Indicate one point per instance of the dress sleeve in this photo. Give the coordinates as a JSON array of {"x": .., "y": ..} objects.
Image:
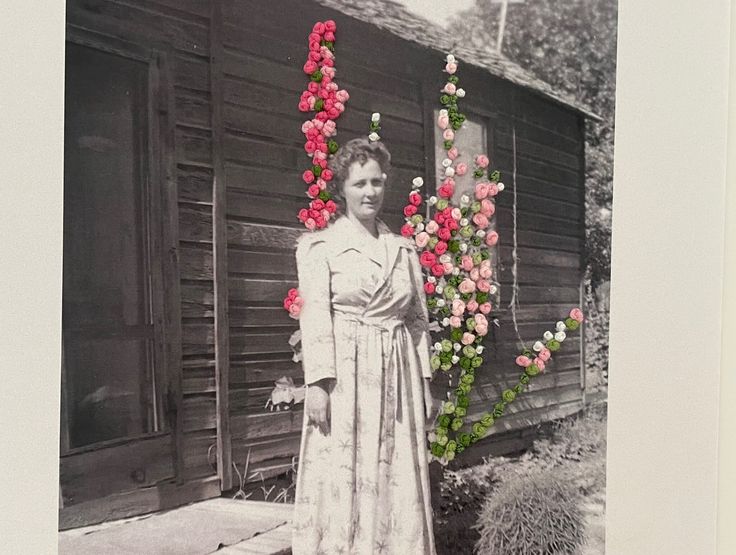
[
  {"x": 417, "y": 317},
  {"x": 315, "y": 320}
]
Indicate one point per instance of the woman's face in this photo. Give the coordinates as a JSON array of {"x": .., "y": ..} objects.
[{"x": 363, "y": 190}]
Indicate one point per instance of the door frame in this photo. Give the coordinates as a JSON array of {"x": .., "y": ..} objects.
[{"x": 163, "y": 247}]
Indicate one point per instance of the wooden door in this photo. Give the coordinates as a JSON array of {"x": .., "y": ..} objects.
[{"x": 116, "y": 417}]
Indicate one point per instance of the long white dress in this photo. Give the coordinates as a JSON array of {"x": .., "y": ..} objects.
[{"x": 364, "y": 487}]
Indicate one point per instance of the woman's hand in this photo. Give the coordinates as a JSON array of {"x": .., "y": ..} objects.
[{"x": 317, "y": 407}]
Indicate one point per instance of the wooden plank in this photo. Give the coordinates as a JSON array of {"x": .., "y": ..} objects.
[
  {"x": 257, "y": 235},
  {"x": 260, "y": 317},
  {"x": 263, "y": 290},
  {"x": 139, "y": 26},
  {"x": 195, "y": 223},
  {"x": 195, "y": 184},
  {"x": 530, "y": 221},
  {"x": 193, "y": 108},
  {"x": 128, "y": 466},
  {"x": 531, "y": 202},
  {"x": 532, "y": 149},
  {"x": 194, "y": 146},
  {"x": 197, "y": 300},
  {"x": 534, "y": 168},
  {"x": 260, "y": 344},
  {"x": 267, "y": 424},
  {"x": 161, "y": 497},
  {"x": 191, "y": 72},
  {"x": 219, "y": 253},
  {"x": 542, "y": 257},
  {"x": 249, "y": 262},
  {"x": 196, "y": 262}
]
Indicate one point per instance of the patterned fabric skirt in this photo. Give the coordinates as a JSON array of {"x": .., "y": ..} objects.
[{"x": 364, "y": 487}]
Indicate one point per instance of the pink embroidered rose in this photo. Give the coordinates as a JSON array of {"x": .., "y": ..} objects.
[
  {"x": 330, "y": 25},
  {"x": 451, "y": 67},
  {"x": 483, "y": 285},
  {"x": 487, "y": 208},
  {"x": 540, "y": 363},
  {"x": 429, "y": 288},
  {"x": 310, "y": 146},
  {"x": 445, "y": 191},
  {"x": 456, "y": 321},
  {"x": 329, "y": 36},
  {"x": 485, "y": 308},
  {"x": 467, "y": 338},
  {"x": 407, "y": 230},
  {"x": 314, "y": 37},
  {"x": 415, "y": 198},
  {"x": 438, "y": 270},
  {"x": 443, "y": 122},
  {"x": 303, "y": 215},
  {"x": 481, "y": 190},
  {"x": 310, "y": 224},
  {"x": 485, "y": 269},
  {"x": 342, "y": 95},
  {"x": 318, "y": 204},
  {"x": 466, "y": 262},
  {"x": 440, "y": 248},
  {"x": 320, "y": 156},
  {"x": 432, "y": 227},
  {"x": 303, "y": 106},
  {"x": 480, "y": 320},
  {"x": 307, "y": 125},
  {"x": 456, "y": 214},
  {"x": 523, "y": 361},
  {"x": 308, "y": 176},
  {"x": 329, "y": 128},
  {"x": 461, "y": 169},
  {"x": 310, "y": 67},
  {"x": 444, "y": 234},
  {"x": 449, "y": 88},
  {"x": 410, "y": 210},
  {"x": 481, "y": 329},
  {"x": 482, "y": 161},
  {"x": 545, "y": 354},
  {"x": 491, "y": 238},
  {"x": 448, "y": 134},
  {"x": 453, "y": 153},
  {"x": 475, "y": 274},
  {"x": 313, "y": 191},
  {"x": 294, "y": 310},
  {"x": 466, "y": 286},
  {"x": 452, "y": 225},
  {"x": 321, "y": 183},
  {"x": 480, "y": 220},
  {"x": 314, "y": 55},
  {"x": 330, "y": 206},
  {"x": 492, "y": 190},
  {"x": 421, "y": 239},
  {"x": 334, "y": 113},
  {"x": 339, "y": 106},
  {"x": 318, "y": 124},
  {"x": 427, "y": 259},
  {"x": 319, "y": 28},
  {"x": 448, "y": 267},
  {"x": 577, "y": 314},
  {"x": 458, "y": 307},
  {"x": 327, "y": 175}
]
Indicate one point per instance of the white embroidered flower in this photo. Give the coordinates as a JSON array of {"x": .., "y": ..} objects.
[
  {"x": 420, "y": 226},
  {"x": 432, "y": 279},
  {"x": 479, "y": 349},
  {"x": 456, "y": 271},
  {"x": 492, "y": 289},
  {"x": 501, "y": 186},
  {"x": 443, "y": 112},
  {"x": 481, "y": 233},
  {"x": 548, "y": 335},
  {"x": 463, "y": 247},
  {"x": 560, "y": 336},
  {"x": 373, "y": 136},
  {"x": 432, "y": 200},
  {"x": 450, "y": 59},
  {"x": 455, "y": 359},
  {"x": 440, "y": 302},
  {"x": 446, "y": 163},
  {"x": 439, "y": 290},
  {"x": 560, "y": 326},
  {"x": 464, "y": 200},
  {"x": 445, "y": 322},
  {"x": 464, "y": 222},
  {"x": 437, "y": 346},
  {"x": 432, "y": 437},
  {"x": 449, "y": 172},
  {"x": 445, "y": 258},
  {"x": 417, "y": 182},
  {"x": 457, "y": 347},
  {"x": 538, "y": 346},
  {"x": 460, "y": 93},
  {"x": 375, "y": 117}
]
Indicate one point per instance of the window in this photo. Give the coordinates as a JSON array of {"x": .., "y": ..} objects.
[{"x": 111, "y": 373}]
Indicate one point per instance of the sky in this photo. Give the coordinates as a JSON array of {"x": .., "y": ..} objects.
[{"x": 437, "y": 11}]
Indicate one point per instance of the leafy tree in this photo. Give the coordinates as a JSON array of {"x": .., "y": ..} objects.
[{"x": 570, "y": 44}]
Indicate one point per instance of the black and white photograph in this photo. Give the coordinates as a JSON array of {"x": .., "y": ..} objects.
[{"x": 336, "y": 276}]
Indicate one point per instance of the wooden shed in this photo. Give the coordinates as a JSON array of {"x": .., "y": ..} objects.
[{"x": 182, "y": 184}]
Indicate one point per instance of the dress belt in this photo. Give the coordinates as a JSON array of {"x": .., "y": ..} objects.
[{"x": 391, "y": 376}]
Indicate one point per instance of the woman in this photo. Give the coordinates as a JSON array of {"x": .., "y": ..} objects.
[{"x": 363, "y": 484}]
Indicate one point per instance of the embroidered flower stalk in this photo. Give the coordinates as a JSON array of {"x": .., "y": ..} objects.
[{"x": 323, "y": 97}]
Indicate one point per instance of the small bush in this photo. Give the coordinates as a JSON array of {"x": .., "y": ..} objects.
[{"x": 538, "y": 514}]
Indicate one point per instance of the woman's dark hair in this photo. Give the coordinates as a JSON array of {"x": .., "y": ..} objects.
[{"x": 356, "y": 150}]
